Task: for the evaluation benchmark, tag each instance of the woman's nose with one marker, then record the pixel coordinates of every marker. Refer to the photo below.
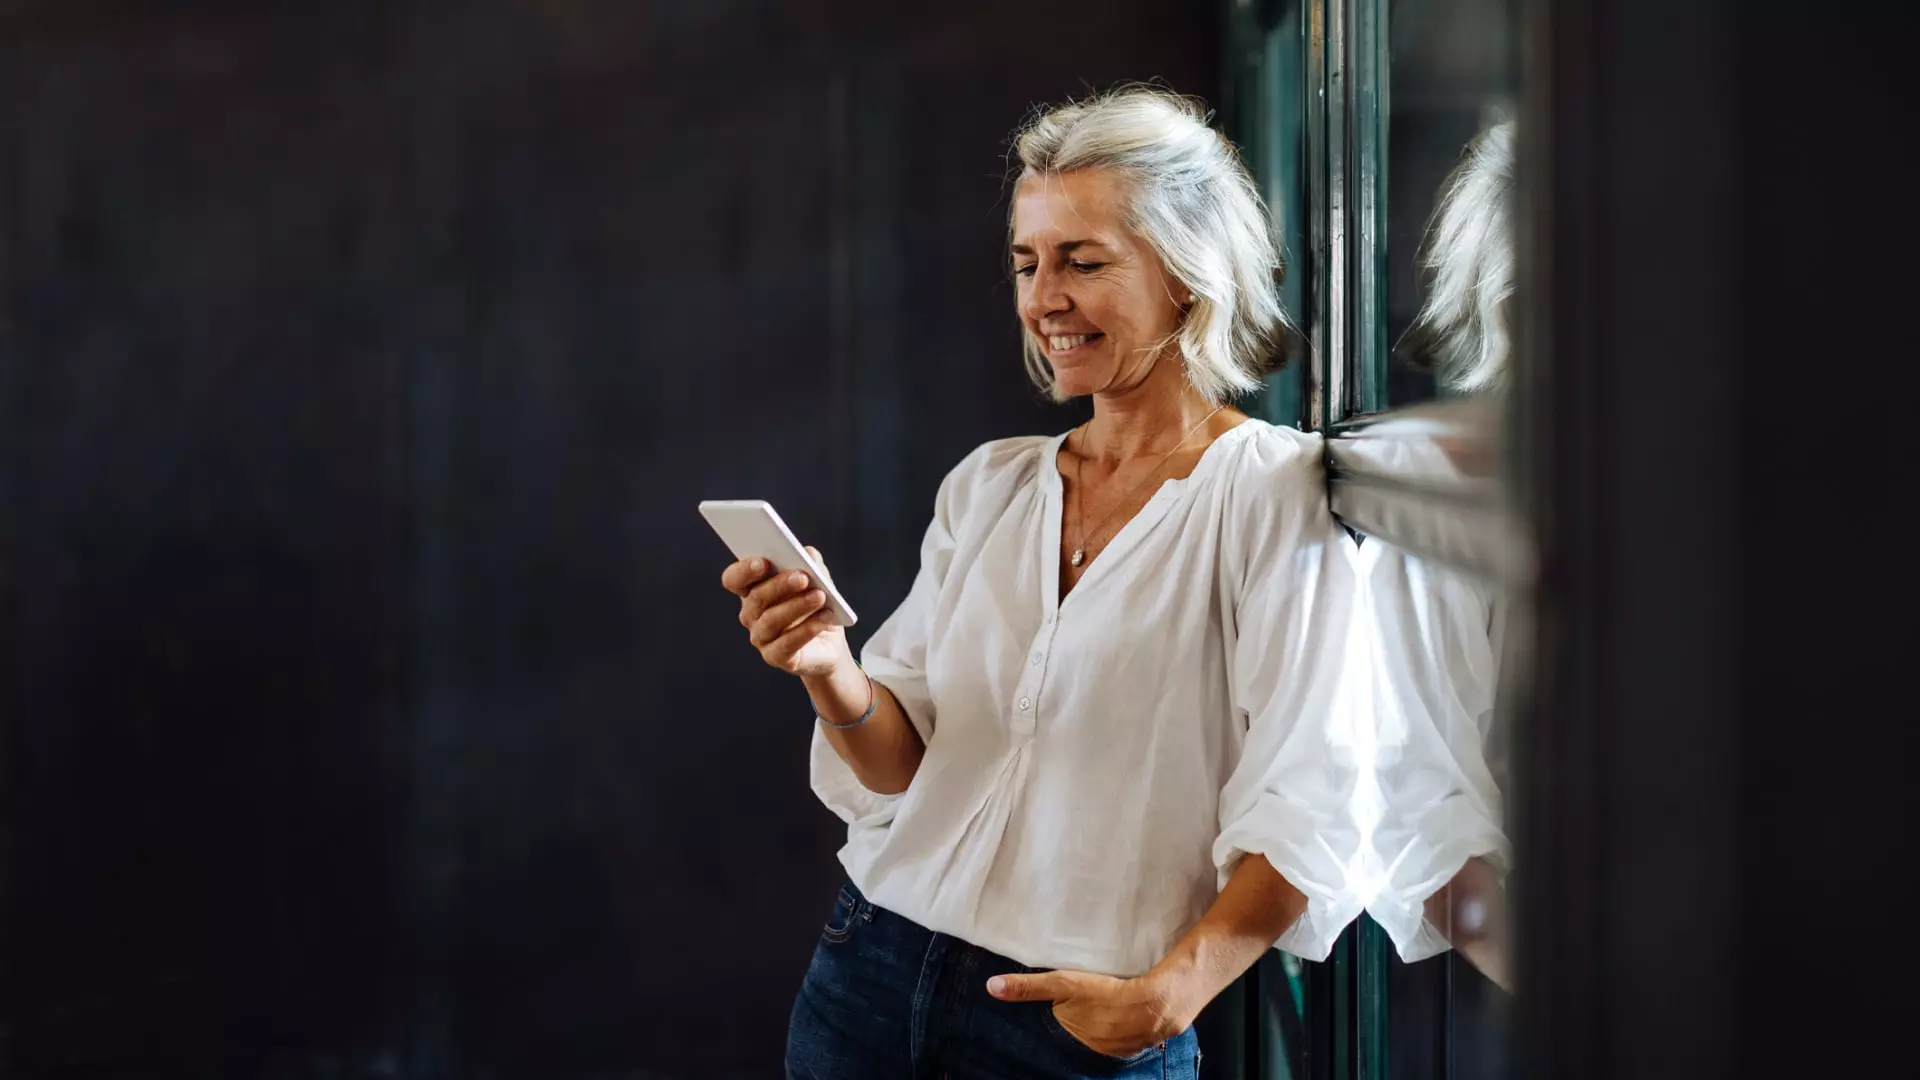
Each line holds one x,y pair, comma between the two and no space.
1043,295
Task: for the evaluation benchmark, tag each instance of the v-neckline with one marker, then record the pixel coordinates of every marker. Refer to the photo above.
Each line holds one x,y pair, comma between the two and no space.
1128,536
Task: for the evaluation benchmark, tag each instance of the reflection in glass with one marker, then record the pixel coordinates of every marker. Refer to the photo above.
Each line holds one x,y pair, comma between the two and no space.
1404,243
1469,254
1453,73
1439,553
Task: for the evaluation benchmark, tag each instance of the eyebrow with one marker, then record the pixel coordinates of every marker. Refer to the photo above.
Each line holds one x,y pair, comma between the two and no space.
1064,245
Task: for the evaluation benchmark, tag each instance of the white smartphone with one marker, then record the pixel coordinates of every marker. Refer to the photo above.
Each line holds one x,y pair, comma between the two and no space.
752,530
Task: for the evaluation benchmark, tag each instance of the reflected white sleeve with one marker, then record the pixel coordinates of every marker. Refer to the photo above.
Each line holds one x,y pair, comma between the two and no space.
1288,795
1434,666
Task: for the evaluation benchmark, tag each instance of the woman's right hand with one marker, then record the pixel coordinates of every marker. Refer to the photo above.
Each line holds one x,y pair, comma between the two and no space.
786,619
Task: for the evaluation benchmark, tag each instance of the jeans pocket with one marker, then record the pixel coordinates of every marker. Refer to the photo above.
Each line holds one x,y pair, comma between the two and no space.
848,908
1072,1041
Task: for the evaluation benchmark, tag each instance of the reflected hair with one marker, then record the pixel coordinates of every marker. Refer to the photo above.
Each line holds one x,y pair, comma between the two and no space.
1190,198
1468,252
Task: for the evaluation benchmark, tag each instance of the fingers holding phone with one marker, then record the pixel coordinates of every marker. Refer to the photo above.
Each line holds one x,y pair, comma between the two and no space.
753,530
787,617
788,603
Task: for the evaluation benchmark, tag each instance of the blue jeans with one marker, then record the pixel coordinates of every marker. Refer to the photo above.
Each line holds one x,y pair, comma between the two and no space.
888,999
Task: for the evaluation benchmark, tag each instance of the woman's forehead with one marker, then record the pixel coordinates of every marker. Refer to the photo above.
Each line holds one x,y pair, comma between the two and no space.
1059,207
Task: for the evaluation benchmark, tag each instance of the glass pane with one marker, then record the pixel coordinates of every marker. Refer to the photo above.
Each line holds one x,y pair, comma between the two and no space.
1454,73
1282,1019
1439,564
1265,106
1356,116
1434,87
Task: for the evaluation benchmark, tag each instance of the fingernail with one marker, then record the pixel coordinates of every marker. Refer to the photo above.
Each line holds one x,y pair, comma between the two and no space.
759,565
798,579
996,986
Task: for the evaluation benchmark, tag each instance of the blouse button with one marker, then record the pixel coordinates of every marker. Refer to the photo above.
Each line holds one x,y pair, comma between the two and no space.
1025,704
1036,660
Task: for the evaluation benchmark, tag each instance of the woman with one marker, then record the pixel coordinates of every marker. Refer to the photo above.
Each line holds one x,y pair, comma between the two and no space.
1085,768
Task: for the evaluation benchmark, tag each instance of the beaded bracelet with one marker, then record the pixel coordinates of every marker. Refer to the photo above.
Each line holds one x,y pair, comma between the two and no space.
873,700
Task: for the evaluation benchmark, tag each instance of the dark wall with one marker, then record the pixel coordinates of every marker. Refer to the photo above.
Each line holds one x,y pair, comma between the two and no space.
1717,765
371,705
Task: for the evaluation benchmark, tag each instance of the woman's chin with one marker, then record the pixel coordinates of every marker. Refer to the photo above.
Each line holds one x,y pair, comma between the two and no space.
1078,381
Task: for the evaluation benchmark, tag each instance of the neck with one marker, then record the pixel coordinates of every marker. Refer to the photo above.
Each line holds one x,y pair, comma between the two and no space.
1148,419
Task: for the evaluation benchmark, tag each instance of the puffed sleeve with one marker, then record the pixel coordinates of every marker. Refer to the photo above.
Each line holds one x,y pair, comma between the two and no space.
1435,646
1288,584
896,658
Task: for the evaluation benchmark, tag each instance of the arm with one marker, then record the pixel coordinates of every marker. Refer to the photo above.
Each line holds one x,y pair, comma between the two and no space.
1470,911
857,770
883,754
788,623
1250,914
885,751
1121,1017
1439,834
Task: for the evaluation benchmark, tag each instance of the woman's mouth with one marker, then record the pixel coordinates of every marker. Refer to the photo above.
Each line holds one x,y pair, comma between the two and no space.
1061,344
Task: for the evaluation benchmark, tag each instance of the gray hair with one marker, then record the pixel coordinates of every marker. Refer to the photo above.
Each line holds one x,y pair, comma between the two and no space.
1469,252
1194,203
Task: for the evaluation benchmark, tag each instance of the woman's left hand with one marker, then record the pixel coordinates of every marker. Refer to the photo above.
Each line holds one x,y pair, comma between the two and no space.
1117,1017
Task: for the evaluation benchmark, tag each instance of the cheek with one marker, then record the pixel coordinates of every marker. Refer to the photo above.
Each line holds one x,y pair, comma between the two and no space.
1109,306
1127,329
1155,317
1134,308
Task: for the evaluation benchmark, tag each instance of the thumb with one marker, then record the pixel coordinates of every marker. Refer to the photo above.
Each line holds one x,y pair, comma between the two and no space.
1041,986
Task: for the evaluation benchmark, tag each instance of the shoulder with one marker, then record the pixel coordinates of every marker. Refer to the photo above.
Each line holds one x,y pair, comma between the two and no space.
1273,494
1407,446
992,472
1276,528
1001,455
1269,465
1015,460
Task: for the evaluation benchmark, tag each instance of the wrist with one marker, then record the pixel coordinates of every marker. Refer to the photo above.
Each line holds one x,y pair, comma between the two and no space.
841,692
1180,990
829,675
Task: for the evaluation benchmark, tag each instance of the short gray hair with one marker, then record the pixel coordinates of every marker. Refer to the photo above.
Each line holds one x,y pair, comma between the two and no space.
1194,203
1469,253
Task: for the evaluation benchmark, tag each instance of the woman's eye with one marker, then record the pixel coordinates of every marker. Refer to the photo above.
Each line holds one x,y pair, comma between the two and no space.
1023,271
1087,267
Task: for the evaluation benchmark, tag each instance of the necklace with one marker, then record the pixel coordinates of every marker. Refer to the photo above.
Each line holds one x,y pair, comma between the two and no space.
1080,550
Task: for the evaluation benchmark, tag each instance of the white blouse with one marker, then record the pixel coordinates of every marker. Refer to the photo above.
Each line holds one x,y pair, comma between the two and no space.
1096,766
1435,650
1429,652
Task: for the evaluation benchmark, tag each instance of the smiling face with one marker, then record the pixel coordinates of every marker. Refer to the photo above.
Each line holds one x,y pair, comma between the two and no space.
1091,293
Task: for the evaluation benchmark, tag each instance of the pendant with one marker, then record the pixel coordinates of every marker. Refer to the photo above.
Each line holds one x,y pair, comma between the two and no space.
1079,556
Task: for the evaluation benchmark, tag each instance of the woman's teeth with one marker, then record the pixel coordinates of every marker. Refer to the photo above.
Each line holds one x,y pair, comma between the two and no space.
1061,343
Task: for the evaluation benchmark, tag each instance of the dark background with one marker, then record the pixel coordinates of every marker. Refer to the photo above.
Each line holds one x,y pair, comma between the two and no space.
371,707
1717,806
